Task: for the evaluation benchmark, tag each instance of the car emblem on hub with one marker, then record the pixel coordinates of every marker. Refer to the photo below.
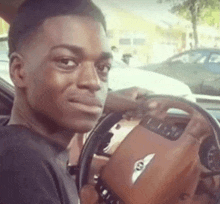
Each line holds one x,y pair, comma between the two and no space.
140,166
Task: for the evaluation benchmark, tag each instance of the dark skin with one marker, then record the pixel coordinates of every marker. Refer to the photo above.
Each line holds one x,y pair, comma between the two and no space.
63,89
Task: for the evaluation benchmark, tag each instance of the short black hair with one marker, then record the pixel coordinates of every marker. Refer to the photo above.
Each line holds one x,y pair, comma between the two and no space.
32,13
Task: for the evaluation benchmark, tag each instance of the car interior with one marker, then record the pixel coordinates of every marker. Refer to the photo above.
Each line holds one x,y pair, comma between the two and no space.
149,159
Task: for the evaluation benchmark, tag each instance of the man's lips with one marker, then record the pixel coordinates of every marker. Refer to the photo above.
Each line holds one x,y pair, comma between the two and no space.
85,100
86,104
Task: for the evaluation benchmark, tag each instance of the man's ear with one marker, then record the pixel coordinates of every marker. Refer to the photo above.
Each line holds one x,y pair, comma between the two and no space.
17,71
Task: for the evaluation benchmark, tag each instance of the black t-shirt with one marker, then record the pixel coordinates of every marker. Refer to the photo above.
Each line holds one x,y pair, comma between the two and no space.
33,170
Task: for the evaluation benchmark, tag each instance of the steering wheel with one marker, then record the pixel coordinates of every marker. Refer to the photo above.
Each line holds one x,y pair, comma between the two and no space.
157,129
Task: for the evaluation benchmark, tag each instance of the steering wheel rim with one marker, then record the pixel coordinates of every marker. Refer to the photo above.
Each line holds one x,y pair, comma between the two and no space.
88,151
96,136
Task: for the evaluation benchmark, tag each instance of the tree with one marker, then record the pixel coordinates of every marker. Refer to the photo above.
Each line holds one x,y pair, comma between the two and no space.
193,10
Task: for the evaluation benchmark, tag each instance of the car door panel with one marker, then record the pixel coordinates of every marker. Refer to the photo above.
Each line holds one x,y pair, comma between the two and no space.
191,74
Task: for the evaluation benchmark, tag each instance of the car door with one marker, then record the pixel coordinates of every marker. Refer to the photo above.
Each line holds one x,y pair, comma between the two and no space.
189,68
6,99
213,63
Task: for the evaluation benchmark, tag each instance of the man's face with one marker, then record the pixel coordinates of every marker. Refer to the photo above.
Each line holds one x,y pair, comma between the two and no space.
66,67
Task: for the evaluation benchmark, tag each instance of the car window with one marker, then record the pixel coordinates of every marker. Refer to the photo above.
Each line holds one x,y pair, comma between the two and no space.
201,60
3,45
181,59
4,60
214,58
191,57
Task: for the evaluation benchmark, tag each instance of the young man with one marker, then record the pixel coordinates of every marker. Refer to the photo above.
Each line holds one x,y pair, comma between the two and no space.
59,64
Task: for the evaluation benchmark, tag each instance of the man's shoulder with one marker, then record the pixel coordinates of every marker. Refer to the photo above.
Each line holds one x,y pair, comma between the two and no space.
17,135
13,131
19,144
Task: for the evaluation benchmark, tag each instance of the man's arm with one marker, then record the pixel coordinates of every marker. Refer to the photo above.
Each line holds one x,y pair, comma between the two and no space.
130,101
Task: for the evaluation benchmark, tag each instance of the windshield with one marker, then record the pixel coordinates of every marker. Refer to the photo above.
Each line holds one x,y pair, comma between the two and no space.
155,47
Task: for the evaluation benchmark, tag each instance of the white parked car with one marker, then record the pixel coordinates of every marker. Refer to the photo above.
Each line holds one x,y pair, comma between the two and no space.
121,78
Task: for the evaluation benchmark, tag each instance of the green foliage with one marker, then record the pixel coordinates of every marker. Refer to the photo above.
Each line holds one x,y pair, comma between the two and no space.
205,11
197,11
210,15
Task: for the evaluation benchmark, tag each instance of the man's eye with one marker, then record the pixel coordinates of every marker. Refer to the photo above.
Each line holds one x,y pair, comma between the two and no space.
104,68
67,63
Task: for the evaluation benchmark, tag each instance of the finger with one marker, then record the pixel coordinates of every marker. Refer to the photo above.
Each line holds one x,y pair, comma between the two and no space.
142,93
129,92
165,104
88,195
143,106
135,92
142,109
156,109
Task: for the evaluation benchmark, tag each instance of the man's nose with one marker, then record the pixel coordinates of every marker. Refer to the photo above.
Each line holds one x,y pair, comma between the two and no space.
89,78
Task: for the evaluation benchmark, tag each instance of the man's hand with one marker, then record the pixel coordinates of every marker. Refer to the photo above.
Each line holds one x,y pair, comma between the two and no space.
130,101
